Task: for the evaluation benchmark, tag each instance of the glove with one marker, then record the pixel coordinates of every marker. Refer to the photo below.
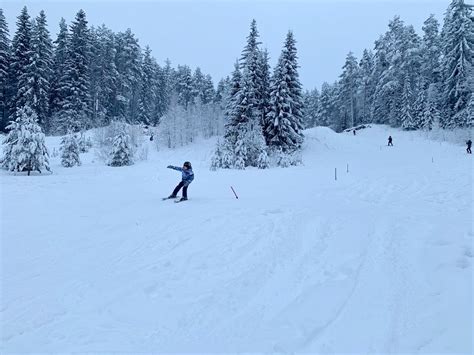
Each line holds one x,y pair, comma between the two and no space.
170,166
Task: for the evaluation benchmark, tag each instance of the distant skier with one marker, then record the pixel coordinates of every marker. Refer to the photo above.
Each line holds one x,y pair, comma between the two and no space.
390,141
469,144
151,137
354,131
187,177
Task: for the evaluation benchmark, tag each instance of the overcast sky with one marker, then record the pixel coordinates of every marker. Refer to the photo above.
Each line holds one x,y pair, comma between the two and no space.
211,34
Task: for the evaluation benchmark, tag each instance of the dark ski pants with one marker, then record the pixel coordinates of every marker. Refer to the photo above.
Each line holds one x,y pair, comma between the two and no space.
178,187
468,150
390,144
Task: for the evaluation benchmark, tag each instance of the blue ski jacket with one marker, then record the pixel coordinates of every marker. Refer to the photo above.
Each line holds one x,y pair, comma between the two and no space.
187,175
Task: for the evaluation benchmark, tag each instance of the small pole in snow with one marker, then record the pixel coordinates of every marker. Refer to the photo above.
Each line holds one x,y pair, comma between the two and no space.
237,197
432,160
347,168
335,173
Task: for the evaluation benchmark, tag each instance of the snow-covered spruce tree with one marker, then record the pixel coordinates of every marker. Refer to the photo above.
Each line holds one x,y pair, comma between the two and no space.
227,157
310,103
216,160
76,81
184,86
264,85
430,52
121,151
70,150
458,63
249,147
431,114
104,77
283,128
419,105
164,89
20,67
41,69
58,92
340,118
349,84
470,112
197,83
207,93
25,148
221,93
367,86
128,61
223,157
382,81
324,107
230,134
252,63
407,118
147,97
4,64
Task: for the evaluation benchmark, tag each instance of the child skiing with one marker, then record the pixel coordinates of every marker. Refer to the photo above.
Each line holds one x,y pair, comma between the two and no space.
187,177
390,141
469,144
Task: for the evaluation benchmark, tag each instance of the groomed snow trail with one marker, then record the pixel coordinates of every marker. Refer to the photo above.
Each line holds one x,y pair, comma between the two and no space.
379,261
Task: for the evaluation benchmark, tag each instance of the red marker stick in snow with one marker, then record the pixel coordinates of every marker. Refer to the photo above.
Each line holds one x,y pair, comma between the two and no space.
237,197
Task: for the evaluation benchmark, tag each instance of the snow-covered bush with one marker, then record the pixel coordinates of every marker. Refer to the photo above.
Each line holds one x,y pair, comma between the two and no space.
181,126
70,150
84,143
279,158
24,147
455,135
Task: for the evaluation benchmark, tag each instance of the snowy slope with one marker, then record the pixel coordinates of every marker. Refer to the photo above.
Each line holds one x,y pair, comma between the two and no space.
378,261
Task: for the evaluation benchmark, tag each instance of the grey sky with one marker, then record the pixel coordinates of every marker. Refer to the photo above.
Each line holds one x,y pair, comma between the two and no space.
211,34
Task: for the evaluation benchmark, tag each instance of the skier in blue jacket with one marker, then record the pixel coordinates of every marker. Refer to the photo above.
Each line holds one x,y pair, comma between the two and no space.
187,177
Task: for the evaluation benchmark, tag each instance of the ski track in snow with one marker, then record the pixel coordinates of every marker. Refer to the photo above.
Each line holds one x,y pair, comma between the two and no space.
379,261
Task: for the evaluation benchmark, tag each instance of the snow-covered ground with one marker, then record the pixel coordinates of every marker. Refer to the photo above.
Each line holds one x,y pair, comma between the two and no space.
379,261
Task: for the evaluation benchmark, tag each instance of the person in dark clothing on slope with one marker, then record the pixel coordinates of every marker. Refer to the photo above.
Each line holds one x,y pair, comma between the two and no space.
469,144
187,175
390,141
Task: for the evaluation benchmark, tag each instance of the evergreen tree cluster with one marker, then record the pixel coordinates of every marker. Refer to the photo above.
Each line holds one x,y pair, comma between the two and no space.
264,112
89,76
408,81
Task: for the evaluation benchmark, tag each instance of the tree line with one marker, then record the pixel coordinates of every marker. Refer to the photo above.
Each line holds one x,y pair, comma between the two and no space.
408,81
90,76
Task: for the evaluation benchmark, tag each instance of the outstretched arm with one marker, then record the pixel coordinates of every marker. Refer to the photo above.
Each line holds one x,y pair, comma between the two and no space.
175,168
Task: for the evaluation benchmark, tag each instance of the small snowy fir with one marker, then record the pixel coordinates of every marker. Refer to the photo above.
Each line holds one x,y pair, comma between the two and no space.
121,151
70,150
216,161
25,148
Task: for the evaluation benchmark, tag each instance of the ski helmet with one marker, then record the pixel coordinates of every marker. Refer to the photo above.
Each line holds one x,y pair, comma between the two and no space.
187,164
